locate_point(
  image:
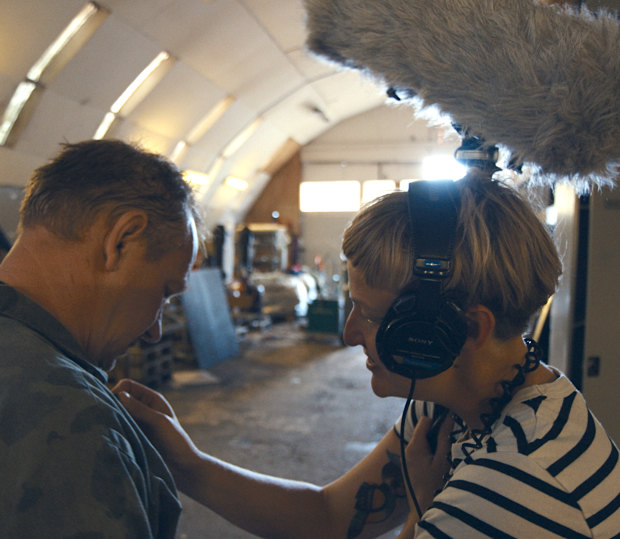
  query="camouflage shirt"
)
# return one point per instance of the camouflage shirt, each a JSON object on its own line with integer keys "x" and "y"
{"x": 73, "y": 463}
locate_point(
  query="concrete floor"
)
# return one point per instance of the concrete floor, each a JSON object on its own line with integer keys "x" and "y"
{"x": 292, "y": 404}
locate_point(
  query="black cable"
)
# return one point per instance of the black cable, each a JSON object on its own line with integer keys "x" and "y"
{"x": 533, "y": 358}
{"x": 403, "y": 458}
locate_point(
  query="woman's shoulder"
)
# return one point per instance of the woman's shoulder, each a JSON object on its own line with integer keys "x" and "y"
{"x": 549, "y": 428}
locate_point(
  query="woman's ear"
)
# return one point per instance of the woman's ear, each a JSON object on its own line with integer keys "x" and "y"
{"x": 123, "y": 234}
{"x": 480, "y": 324}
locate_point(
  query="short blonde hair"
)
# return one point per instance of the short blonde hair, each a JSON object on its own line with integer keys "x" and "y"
{"x": 504, "y": 257}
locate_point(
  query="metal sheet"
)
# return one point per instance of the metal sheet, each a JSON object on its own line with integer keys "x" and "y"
{"x": 209, "y": 322}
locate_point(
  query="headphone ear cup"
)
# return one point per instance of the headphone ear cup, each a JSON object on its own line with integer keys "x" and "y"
{"x": 414, "y": 344}
{"x": 451, "y": 328}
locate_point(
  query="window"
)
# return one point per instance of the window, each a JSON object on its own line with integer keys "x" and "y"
{"x": 371, "y": 189}
{"x": 338, "y": 196}
{"x": 349, "y": 195}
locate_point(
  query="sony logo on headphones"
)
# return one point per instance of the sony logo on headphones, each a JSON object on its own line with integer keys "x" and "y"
{"x": 420, "y": 340}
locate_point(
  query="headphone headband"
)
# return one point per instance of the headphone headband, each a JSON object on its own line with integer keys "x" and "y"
{"x": 423, "y": 331}
{"x": 433, "y": 203}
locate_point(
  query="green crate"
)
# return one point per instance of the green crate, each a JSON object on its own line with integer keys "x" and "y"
{"x": 325, "y": 316}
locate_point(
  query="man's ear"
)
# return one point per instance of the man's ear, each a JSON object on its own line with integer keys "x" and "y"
{"x": 124, "y": 233}
{"x": 480, "y": 324}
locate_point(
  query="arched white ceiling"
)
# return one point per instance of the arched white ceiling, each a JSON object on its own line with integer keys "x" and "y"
{"x": 248, "y": 52}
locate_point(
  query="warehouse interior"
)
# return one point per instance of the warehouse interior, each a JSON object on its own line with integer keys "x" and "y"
{"x": 251, "y": 355}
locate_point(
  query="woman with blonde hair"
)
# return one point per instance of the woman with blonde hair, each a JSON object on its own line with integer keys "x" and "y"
{"x": 443, "y": 281}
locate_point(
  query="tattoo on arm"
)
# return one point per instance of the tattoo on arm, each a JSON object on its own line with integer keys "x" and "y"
{"x": 376, "y": 503}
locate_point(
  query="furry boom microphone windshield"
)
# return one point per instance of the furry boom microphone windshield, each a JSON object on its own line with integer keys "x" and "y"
{"x": 542, "y": 81}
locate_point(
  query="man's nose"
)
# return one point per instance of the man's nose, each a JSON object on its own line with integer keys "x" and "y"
{"x": 153, "y": 334}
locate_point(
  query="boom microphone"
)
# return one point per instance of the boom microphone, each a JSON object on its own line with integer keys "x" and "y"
{"x": 542, "y": 81}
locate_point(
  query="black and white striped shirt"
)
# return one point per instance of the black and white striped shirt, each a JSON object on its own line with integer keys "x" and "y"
{"x": 548, "y": 469}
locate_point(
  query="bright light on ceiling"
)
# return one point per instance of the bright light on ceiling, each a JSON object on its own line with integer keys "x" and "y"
{"x": 11, "y": 114}
{"x": 196, "y": 178}
{"x": 147, "y": 72}
{"x": 60, "y": 43}
{"x": 53, "y": 59}
{"x": 152, "y": 74}
{"x": 236, "y": 183}
{"x": 241, "y": 138}
{"x": 209, "y": 120}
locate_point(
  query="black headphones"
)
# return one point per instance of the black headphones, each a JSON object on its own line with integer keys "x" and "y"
{"x": 423, "y": 331}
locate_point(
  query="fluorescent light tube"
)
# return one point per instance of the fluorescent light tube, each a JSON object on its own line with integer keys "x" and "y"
{"x": 61, "y": 42}
{"x": 138, "y": 81}
{"x": 16, "y": 105}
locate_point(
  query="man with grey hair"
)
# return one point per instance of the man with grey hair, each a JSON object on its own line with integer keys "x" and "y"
{"x": 107, "y": 235}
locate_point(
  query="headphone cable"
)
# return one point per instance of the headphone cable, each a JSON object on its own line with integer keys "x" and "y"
{"x": 403, "y": 458}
